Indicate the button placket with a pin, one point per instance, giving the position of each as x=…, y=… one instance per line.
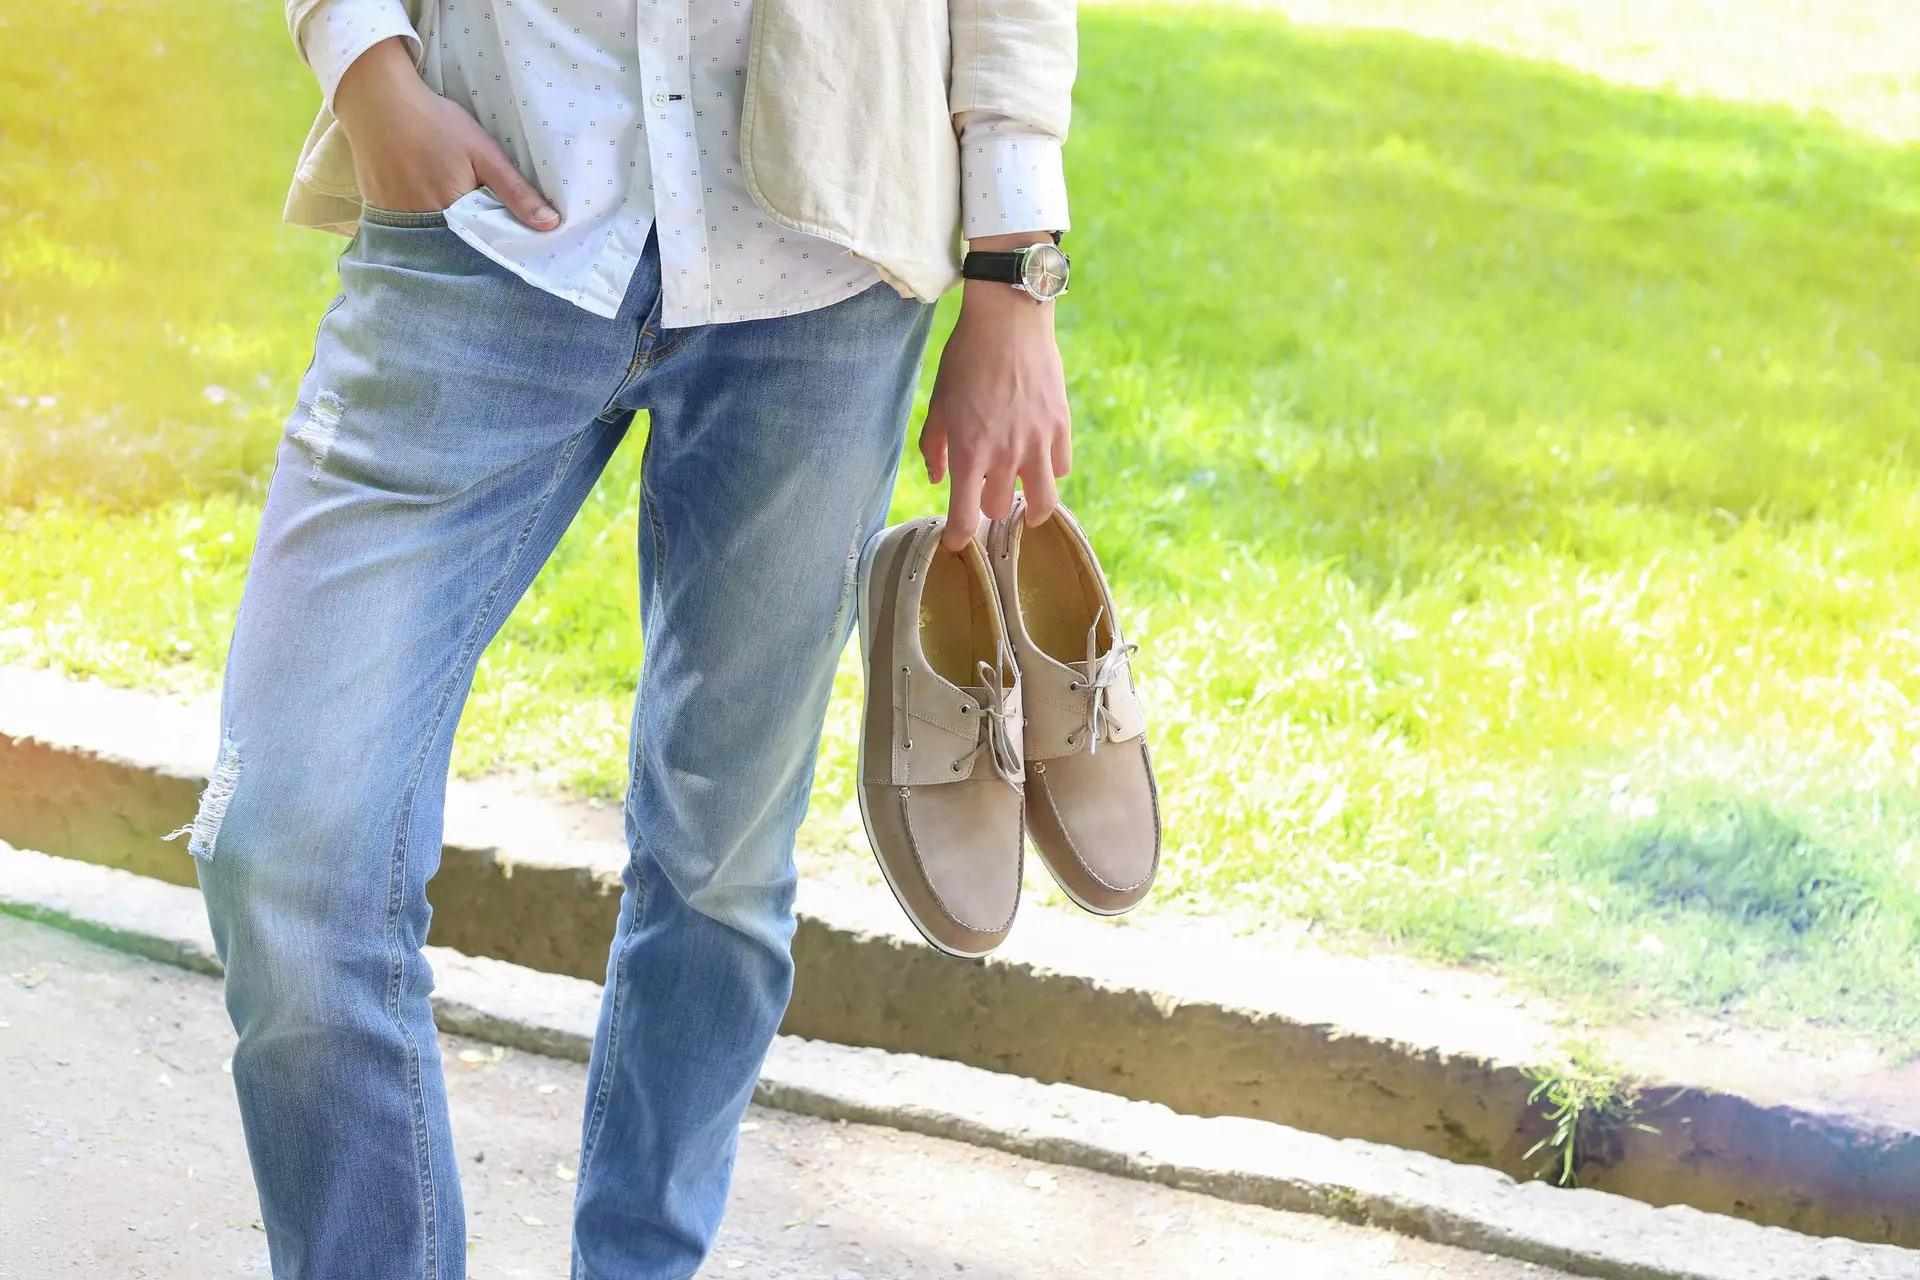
x=679, y=213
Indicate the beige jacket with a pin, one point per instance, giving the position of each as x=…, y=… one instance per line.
x=848, y=131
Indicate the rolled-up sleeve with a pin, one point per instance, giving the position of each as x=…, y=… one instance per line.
x=338, y=31
x=1012, y=177
x=1016, y=58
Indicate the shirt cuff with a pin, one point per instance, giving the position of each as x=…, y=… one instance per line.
x=338, y=31
x=1012, y=177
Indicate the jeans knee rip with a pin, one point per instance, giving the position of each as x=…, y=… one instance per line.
x=205, y=828
x=319, y=430
x=849, y=582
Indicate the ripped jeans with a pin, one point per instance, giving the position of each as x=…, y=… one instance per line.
x=453, y=421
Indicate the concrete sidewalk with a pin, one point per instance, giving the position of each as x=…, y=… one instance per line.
x=121, y=1155
x=1181, y=1014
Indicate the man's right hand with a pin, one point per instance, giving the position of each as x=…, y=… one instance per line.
x=414, y=151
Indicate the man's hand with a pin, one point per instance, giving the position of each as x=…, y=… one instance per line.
x=414, y=151
x=999, y=407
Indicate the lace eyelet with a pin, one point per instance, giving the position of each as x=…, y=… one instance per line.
x=1073, y=686
x=907, y=745
x=1069, y=739
x=955, y=768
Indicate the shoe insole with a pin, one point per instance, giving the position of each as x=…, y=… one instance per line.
x=1059, y=595
x=956, y=619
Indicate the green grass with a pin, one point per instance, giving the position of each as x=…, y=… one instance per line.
x=1511, y=478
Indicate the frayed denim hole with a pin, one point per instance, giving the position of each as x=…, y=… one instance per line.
x=319, y=429
x=205, y=828
x=849, y=583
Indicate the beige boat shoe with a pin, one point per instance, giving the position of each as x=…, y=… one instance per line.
x=1092, y=807
x=940, y=766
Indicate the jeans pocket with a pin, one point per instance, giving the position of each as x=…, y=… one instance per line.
x=402, y=219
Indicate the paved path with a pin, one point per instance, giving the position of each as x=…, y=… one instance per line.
x=120, y=1156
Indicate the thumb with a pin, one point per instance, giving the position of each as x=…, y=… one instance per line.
x=491, y=166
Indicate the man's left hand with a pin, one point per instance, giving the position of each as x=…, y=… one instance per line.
x=999, y=407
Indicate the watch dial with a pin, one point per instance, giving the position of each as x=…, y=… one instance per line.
x=1046, y=272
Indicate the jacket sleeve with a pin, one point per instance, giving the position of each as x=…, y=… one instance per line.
x=1012, y=101
x=1015, y=58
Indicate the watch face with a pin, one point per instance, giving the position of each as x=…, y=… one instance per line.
x=1044, y=272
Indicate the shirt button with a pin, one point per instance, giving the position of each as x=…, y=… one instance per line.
x=660, y=98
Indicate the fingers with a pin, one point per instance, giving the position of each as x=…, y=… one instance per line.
x=1036, y=480
x=996, y=495
x=1051, y=461
x=491, y=166
x=933, y=444
x=986, y=487
x=963, y=505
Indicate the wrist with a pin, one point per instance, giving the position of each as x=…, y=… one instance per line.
x=1002, y=304
x=1029, y=263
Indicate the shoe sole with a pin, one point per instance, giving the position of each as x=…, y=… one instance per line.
x=867, y=555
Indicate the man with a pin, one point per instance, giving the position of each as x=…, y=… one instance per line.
x=733, y=214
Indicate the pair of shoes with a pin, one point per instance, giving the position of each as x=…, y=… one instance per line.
x=1000, y=704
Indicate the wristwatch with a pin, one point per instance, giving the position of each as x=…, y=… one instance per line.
x=1039, y=270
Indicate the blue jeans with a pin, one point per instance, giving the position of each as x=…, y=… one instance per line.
x=453, y=421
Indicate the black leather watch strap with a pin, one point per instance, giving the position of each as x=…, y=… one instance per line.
x=1003, y=268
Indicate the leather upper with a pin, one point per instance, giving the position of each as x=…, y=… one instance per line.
x=1092, y=805
x=935, y=722
x=951, y=841
x=1054, y=691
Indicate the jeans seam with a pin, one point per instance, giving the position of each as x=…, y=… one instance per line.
x=396, y=871
x=660, y=353
x=640, y=895
x=652, y=504
x=638, y=360
x=597, y=1118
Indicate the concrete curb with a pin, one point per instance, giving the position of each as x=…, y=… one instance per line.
x=100, y=775
x=1587, y=1233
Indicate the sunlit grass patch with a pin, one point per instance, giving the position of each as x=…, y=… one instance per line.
x=1511, y=480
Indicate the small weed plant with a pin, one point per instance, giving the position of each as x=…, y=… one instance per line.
x=1589, y=1107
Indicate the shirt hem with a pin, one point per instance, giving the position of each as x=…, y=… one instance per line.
x=668, y=320
x=584, y=301
x=735, y=315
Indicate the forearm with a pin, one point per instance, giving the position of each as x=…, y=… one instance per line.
x=333, y=37
x=380, y=77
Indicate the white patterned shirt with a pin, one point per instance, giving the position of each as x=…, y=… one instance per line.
x=626, y=115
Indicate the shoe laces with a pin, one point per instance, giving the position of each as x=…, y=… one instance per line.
x=998, y=739
x=1102, y=673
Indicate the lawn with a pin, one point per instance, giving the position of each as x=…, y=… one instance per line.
x=1513, y=480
